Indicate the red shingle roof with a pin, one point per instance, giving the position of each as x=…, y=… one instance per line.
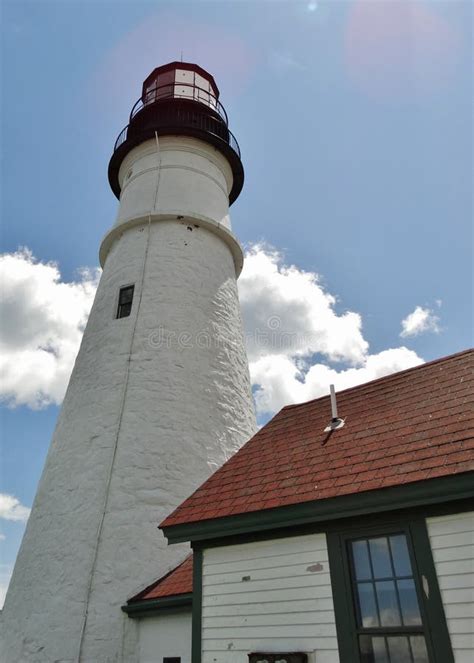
x=176, y=582
x=409, y=426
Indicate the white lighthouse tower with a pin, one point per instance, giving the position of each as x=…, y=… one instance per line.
x=160, y=392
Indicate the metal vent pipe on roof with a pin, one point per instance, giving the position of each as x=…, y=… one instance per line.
x=333, y=402
x=336, y=422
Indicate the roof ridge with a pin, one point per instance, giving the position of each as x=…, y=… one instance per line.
x=384, y=377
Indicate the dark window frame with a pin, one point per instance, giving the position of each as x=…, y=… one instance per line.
x=274, y=657
x=345, y=600
x=385, y=631
x=124, y=304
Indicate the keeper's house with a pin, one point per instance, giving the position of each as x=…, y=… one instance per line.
x=354, y=545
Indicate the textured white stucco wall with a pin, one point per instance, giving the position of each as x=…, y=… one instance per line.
x=193, y=178
x=155, y=403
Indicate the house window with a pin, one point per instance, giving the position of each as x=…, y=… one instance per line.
x=389, y=624
x=172, y=659
x=125, y=301
x=386, y=597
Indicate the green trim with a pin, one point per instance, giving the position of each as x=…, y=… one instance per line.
x=434, y=621
x=148, y=607
x=420, y=493
x=383, y=518
x=341, y=593
x=197, y=607
x=433, y=603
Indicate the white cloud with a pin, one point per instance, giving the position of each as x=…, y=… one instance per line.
x=292, y=330
x=419, y=321
x=2, y=536
x=42, y=323
x=12, y=509
x=289, y=318
x=281, y=381
x=287, y=312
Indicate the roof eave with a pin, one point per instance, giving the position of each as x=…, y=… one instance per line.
x=150, y=607
x=415, y=494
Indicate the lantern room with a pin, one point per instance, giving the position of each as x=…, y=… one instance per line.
x=179, y=98
x=180, y=80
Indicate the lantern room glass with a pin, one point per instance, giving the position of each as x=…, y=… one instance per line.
x=180, y=83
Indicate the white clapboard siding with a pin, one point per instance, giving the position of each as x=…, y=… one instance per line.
x=165, y=635
x=452, y=543
x=322, y=606
x=268, y=596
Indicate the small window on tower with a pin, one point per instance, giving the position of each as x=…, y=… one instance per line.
x=172, y=659
x=125, y=301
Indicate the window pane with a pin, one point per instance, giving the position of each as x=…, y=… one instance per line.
x=399, y=650
x=380, y=651
x=418, y=647
x=361, y=560
x=388, y=606
x=409, y=602
x=125, y=301
x=366, y=650
x=368, y=607
x=380, y=558
x=373, y=650
x=126, y=295
x=401, y=558
x=124, y=310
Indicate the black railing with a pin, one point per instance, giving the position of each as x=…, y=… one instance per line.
x=165, y=116
x=121, y=138
x=179, y=91
x=174, y=112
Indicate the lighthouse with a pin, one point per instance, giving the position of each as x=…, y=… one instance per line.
x=160, y=393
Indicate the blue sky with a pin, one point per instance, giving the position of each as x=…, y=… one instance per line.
x=354, y=121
